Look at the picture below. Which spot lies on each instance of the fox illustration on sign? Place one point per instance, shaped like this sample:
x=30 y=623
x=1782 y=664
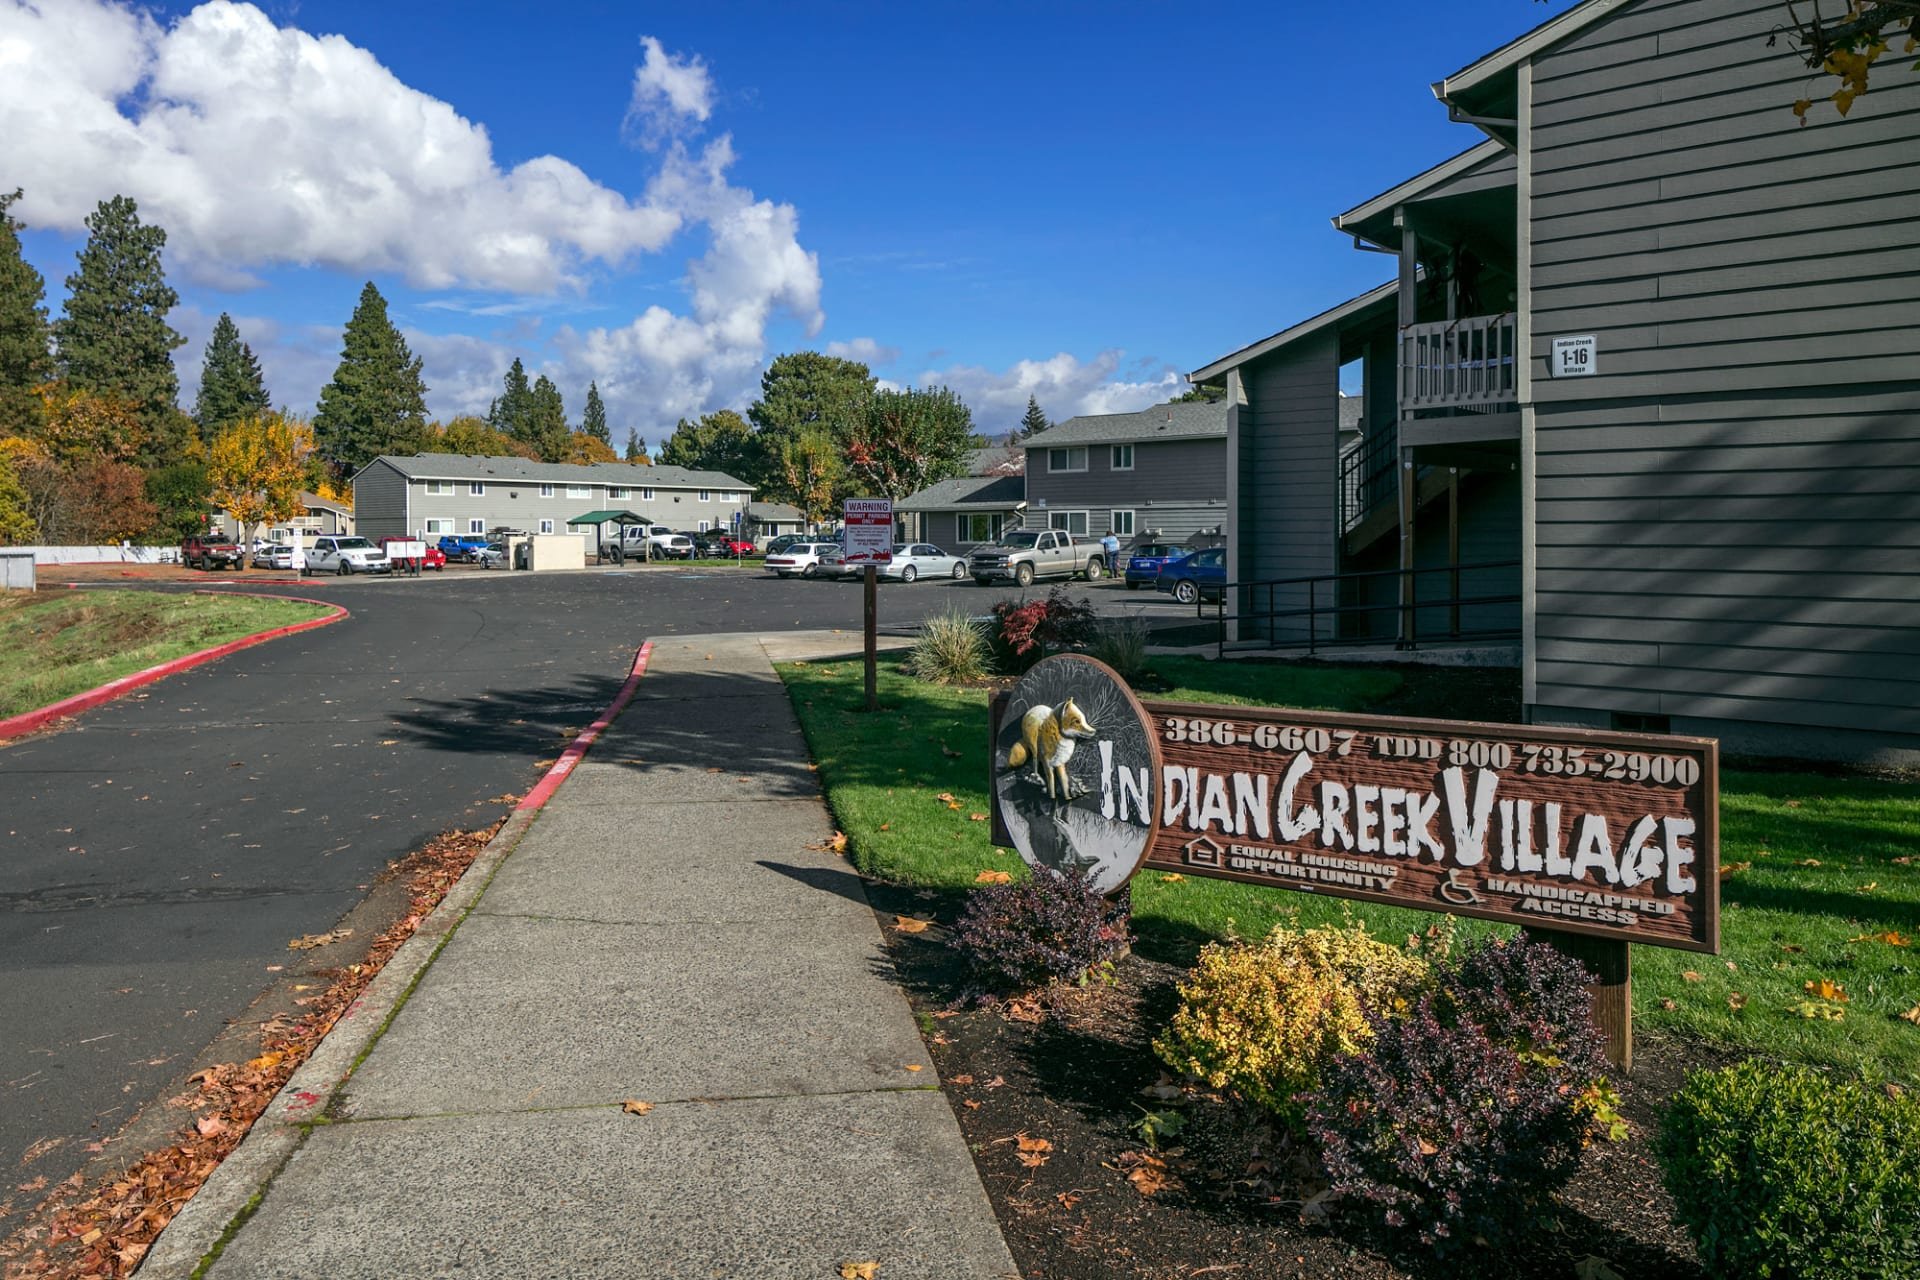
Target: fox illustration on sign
x=1046 y=741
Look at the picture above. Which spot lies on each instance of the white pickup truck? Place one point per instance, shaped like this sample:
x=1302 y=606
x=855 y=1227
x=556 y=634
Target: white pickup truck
x=345 y=555
x=1026 y=554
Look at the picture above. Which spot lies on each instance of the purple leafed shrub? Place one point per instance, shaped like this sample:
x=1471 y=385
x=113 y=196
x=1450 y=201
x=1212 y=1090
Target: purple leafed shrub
x=1049 y=928
x=1464 y=1115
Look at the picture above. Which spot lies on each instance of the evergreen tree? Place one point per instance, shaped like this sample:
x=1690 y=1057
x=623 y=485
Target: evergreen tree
x=1033 y=422
x=547 y=428
x=25 y=359
x=636 y=447
x=511 y=413
x=231 y=387
x=114 y=337
x=720 y=441
x=594 y=420
x=376 y=402
x=908 y=440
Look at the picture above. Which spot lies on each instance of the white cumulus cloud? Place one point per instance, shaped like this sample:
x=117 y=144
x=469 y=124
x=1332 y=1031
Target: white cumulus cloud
x=1064 y=385
x=256 y=144
x=865 y=350
x=668 y=92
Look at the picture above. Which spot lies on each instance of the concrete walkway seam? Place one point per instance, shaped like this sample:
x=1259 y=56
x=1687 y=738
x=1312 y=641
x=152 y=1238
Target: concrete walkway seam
x=31 y=721
x=230 y=1194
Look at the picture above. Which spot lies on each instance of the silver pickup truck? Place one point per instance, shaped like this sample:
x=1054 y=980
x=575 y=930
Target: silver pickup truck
x=1026 y=554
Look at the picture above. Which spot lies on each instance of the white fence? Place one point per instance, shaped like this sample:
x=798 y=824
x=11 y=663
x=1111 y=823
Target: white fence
x=103 y=555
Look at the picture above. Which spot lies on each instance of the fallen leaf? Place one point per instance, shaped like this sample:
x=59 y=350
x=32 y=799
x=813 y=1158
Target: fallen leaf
x=1869 y=886
x=210 y=1126
x=1912 y=1015
x=265 y=1061
x=1024 y=1143
x=1828 y=989
x=1668 y=1002
x=635 y=1107
x=1031 y=1159
x=1791 y=947
x=1313 y=1210
x=959 y=1079
x=886 y=826
x=307 y=942
x=859 y=1270
x=907 y=924
x=1731 y=867
x=1691 y=976
x=1427 y=1148
x=1807 y=862
x=1165 y=1091
x=949 y=752
x=1172 y=877
x=1025 y=1011
x=1067 y=1199
x=1736 y=1001
x=1149 y=1175
x=1892 y=937
x=1732 y=967
x=993 y=877
x=945 y=797
x=1793 y=804
x=914 y=1066
x=996 y=1082
x=976 y=817
x=1906 y=861
x=970 y=1104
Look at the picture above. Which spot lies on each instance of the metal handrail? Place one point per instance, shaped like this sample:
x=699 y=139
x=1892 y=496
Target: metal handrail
x=1454 y=601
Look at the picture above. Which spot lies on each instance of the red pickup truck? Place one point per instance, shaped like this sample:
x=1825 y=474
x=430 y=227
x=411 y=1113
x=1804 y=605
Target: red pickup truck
x=211 y=551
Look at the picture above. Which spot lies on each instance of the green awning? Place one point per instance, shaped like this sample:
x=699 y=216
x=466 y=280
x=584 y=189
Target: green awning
x=609 y=517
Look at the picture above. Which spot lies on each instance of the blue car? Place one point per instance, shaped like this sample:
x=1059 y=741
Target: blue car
x=1204 y=573
x=1148 y=559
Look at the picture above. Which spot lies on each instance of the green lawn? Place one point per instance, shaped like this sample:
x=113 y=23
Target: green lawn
x=54 y=644
x=1819 y=883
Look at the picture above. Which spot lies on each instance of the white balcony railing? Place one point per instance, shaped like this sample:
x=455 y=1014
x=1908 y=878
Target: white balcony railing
x=1459 y=364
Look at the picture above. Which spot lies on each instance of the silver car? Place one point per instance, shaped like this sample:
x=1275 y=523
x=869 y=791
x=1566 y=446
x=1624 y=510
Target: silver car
x=913 y=560
x=273 y=555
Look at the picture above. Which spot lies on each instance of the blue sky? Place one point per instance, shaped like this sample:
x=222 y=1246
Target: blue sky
x=1078 y=201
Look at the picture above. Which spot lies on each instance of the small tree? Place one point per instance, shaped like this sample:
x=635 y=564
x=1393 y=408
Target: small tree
x=255 y=468
x=1033 y=422
x=180 y=494
x=593 y=419
x=231 y=386
x=16 y=525
x=719 y=441
x=810 y=473
x=907 y=440
x=109 y=502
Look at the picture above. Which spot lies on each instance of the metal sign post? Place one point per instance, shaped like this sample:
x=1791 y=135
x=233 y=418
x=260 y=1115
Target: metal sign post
x=869 y=541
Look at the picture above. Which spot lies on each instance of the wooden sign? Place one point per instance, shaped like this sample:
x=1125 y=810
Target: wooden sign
x=1609 y=835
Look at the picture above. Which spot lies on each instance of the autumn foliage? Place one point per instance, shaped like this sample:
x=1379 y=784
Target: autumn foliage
x=256 y=467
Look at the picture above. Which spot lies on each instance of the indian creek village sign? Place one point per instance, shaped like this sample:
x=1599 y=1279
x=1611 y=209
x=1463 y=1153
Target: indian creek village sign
x=1610 y=836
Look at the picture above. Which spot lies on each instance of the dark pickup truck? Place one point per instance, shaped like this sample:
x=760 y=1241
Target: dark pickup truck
x=212 y=551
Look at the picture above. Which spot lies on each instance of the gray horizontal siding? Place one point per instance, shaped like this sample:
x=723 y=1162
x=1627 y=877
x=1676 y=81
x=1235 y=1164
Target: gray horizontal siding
x=380 y=502
x=1727 y=515
x=1183 y=470
x=1289 y=442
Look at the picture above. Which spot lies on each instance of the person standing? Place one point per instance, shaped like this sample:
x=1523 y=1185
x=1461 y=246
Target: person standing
x=1111 y=545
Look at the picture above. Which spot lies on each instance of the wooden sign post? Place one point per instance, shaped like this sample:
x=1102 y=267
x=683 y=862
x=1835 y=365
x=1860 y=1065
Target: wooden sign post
x=868 y=540
x=1590 y=840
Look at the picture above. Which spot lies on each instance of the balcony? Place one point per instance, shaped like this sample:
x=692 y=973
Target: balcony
x=1460 y=366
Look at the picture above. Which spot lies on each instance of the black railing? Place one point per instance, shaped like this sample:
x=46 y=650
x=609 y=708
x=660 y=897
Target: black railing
x=1367 y=476
x=1330 y=601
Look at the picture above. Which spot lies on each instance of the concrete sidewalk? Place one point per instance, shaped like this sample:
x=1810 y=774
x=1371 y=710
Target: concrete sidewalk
x=661 y=933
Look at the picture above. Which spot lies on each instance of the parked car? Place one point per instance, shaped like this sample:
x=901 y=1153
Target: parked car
x=1026 y=554
x=1204 y=573
x=435 y=558
x=460 y=547
x=638 y=541
x=728 y=545
x=914 y=560
x=1145 y=562
x=491 y=556
x=346 y=555
x=211 y=550
x=273 y=555
x=801 y=559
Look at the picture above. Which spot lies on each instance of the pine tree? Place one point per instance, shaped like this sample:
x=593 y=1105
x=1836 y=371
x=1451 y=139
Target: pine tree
x=1033 y=422
x=512 y=411
x=231 y=387
x=594 y=420
x=376 y=402
x=25 y=358
x=636 y=447
x=547 y=428
x=114 y=337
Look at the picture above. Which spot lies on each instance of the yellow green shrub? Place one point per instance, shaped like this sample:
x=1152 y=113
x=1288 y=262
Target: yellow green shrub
x=1262 y=1018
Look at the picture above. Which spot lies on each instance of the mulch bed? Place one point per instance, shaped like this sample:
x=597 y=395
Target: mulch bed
x=1072 y=1072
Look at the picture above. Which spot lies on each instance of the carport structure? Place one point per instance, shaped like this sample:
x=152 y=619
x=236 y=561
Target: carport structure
x=600 y=519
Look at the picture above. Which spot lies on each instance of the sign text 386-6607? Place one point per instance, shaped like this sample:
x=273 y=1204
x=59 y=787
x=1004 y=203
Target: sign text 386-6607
x=1608 y=834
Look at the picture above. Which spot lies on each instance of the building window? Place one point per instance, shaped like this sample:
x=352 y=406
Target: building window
x=1121 y=522
x=476 y=489
x=646 y=495
x=706 y=495
x=1122 y=457
x=476 y=525
x=546 y=526
x=702 y=526
x=439 y=487
x=1073 y=522
x=981 y=526
x=439 y=526
x=546 y=491
x=615 y=493
x=579 y=491
x=732 y=495
x=1066 y=459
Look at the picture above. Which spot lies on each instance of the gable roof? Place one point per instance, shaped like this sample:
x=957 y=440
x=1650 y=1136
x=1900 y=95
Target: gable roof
x=1485 y=87
x=1488 y=160
x=314 y=502
x=969 y=493
x=773 y=512
x=997 y=460
x=463 y=466
x=1193 y=420
x=1351 y=308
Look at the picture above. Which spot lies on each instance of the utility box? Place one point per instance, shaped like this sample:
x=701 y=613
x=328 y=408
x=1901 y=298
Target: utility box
x=16 y=570
x=556 y=551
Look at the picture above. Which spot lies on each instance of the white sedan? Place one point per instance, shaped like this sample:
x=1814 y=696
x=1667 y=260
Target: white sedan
x=913 y=560
x=801 y=558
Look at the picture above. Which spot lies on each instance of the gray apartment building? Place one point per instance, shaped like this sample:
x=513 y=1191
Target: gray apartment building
x=432 y=494
x=966 y=511
x=1160 y=473
x=1659 y=344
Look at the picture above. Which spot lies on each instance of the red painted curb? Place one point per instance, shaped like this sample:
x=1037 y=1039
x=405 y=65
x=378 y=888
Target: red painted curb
x=550 y=782
x=30 y=721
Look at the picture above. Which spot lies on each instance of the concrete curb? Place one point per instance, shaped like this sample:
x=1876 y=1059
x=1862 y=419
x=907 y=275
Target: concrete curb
x=30 y=721
x=229 y=1194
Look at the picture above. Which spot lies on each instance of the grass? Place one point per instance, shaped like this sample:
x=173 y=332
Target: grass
x=54 y=644
x=1814 y=879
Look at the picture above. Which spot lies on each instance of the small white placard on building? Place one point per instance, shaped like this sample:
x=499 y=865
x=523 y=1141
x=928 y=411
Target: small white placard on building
x=869 y=526
x=1575 y=357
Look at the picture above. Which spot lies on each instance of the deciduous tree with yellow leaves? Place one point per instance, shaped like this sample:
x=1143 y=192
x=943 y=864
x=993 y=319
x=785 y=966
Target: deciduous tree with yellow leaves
x=1845 y=39
x=256 y=467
